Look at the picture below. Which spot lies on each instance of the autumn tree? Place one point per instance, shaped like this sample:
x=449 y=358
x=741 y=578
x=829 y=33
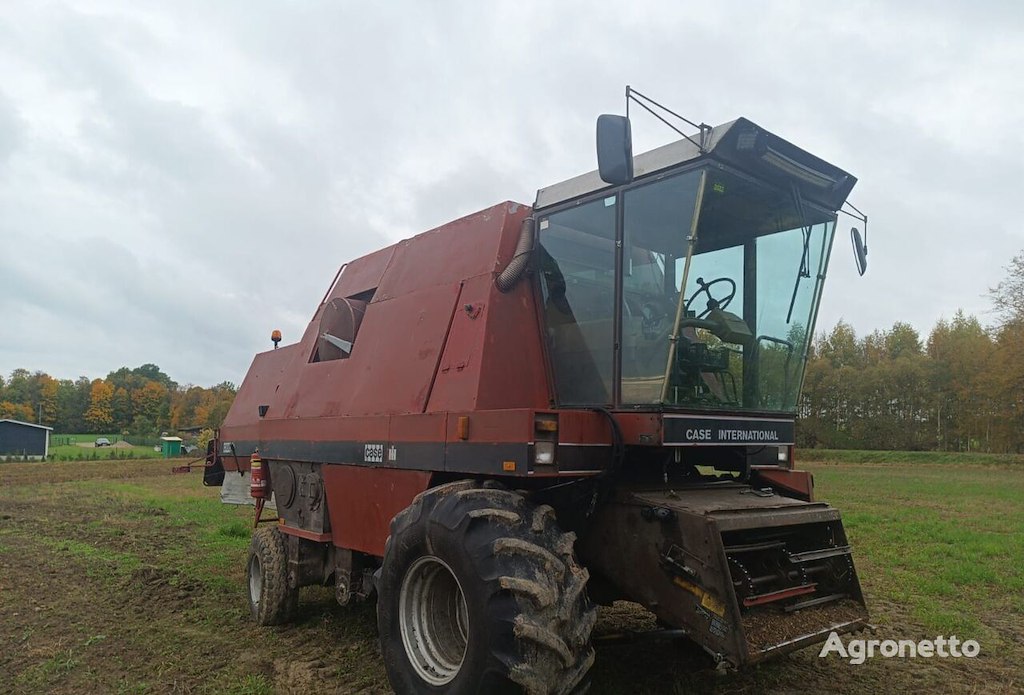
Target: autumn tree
x=151 y=402
x=15 y=411
x=143 y=401
x=72 y=402
x=48 y=388
x=1008 y=296
x=961 y=352
x=121 y=409
x=18 y=389
x=99 y=416
x=1006 y=384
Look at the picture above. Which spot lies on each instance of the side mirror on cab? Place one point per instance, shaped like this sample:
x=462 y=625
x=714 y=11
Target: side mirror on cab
x=614 y=149
x=860 y=251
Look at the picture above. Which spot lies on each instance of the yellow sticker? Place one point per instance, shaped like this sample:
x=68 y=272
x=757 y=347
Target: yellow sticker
x=712 y=604
x=707 y=599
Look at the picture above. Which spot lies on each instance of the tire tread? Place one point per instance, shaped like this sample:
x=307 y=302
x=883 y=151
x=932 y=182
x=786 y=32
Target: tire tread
x=519 y=552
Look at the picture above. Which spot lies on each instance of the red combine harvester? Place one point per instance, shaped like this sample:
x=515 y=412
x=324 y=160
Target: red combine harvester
x=498 y=423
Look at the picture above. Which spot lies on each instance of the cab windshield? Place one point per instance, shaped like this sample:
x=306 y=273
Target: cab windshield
x=720 y=323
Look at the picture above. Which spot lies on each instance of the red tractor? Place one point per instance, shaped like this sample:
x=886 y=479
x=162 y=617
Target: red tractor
x=500 y=423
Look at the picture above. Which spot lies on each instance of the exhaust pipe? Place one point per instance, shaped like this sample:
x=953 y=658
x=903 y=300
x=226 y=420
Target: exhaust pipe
x=508 y=278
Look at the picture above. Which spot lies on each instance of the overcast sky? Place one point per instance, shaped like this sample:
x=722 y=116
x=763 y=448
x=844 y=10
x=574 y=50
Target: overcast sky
x=179 y=178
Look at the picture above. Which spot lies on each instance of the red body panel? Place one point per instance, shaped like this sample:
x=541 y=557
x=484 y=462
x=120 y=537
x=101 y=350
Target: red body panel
x=438 y=343
x=362 y=501
x=799 y=484
x=422 y=286
x=437 y=337
x=394 y=374
x=362 y=274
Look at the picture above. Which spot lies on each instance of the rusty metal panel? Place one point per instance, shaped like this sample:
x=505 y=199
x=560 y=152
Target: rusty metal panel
x=643 y=429
x=396 y=354
x=329 y=429
x=667 y=549
x=494 y=426
x=429 y=427
x=363 y=273
x=729 y=498
x=315 y=389
x=513 y=368
x=458 y=376
x=399 y=346
x=459 y=250
x=259 y=386
x=732 y=521
x=299 y=495
x=362 y=501
x=638 y=556
x=799 y=484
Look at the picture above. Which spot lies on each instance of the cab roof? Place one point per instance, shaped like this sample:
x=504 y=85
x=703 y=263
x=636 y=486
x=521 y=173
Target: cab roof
x=740 y=143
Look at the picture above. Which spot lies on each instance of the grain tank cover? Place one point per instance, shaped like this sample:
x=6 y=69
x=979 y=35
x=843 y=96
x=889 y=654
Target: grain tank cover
x=739 y=143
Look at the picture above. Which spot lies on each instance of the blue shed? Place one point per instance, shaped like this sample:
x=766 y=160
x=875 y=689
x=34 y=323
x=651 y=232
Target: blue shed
x=18 y=439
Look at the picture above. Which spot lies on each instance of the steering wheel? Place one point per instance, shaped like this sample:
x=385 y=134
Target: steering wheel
x=705 y=289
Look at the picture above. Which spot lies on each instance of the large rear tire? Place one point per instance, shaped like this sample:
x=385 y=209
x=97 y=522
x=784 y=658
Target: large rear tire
x=271 y=600
x=480 y=592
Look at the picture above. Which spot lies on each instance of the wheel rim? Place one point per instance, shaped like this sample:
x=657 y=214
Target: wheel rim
x=434 y=620
x=255 y=580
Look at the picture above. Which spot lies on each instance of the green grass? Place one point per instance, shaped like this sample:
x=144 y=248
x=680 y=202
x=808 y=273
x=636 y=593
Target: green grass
x=73 y=452
x=65 y=447
x=253 y=684
x=914 y=457
x=111 y=559
x=939 y=550
x=947 y=542
x=86 y=438
x=222 y=532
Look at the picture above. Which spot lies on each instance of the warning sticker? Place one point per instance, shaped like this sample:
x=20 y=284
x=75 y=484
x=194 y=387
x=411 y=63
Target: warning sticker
x=716 y=626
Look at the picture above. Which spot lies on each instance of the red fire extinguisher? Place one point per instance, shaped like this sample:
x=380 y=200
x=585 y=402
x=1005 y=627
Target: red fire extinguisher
x=257 y=480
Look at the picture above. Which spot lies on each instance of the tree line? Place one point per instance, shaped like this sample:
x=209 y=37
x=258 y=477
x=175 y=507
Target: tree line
x=143 y=401
x=959 y=389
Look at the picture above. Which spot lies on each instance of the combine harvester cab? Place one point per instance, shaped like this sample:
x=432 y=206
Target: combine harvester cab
x=497 y=423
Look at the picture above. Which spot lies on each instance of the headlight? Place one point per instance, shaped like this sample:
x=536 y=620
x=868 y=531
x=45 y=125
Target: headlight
x=544 y=453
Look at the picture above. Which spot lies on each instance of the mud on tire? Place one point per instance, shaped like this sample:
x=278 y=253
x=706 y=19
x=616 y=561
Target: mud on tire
x=480 y=592
x=271 y=600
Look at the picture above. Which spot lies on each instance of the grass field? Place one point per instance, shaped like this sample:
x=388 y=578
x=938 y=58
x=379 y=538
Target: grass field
x=122 y=577
x=72 y=452
x=79 y=447
x=910 y=457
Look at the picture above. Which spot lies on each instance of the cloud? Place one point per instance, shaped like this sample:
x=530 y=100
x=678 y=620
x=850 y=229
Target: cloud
x=179 y=179
x=11 y=128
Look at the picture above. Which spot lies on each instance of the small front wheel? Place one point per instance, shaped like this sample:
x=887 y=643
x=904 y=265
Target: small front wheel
x=271 y=600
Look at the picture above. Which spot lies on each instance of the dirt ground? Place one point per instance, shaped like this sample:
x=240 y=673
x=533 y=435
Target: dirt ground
x=121 y=577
